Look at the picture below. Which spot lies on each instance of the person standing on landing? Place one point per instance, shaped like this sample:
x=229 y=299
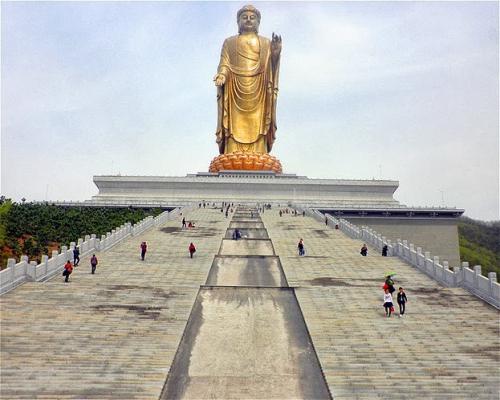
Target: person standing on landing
x=402 y=301
x=144 y=248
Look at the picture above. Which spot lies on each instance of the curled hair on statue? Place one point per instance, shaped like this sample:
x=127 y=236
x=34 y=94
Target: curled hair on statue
x=248 y=8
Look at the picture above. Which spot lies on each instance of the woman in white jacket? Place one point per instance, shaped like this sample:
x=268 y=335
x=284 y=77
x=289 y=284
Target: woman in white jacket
x=388 y=303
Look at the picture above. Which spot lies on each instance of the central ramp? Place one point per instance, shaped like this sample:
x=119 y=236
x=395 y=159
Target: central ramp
x=246 y=337
x=261 y=271
x=246 y=343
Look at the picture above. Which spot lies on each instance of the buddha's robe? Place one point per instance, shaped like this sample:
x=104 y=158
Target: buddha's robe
x=247 y=100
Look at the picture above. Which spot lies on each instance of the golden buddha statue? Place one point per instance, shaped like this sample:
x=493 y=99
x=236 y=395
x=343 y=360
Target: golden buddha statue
x=247 y=89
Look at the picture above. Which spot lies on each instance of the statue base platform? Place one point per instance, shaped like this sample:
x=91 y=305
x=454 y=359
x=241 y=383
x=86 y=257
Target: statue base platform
x=363 y=202
x=244 y=187
x=239 y=161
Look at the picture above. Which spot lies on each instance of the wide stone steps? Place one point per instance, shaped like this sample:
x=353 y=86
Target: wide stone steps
x=446 y=346
x=113 y=334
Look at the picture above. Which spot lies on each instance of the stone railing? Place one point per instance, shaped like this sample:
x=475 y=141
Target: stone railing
x=487 y=288
x=17 y=273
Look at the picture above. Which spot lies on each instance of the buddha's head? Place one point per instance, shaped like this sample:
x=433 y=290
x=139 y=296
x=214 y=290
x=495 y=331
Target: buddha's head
x=248 y=19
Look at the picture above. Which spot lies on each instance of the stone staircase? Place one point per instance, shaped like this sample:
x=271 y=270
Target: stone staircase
x=115 y=334
x=446 y=346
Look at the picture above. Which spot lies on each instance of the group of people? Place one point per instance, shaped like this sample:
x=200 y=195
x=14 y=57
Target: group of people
x=293 y=212
x=144 y=249
x=388 y=301
x=364 y=250
x=68 y=267
x=185 y=224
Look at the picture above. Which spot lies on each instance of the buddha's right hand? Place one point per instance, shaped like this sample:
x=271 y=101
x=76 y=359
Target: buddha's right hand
x=219 y=79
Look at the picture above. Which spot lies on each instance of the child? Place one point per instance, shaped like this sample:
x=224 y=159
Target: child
x=388 y=303
x=401 y=301
x=364 y=250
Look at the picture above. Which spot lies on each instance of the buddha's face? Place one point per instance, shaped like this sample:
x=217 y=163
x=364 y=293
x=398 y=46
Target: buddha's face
x=248 y=22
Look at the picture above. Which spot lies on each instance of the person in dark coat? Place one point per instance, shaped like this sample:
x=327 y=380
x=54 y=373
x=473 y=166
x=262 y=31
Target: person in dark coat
x=402 y=301
x=144 y=248
x=183 y=222
x=364 y=250
x=384 y=251
x=76 y=256
x=93 y=263
x=390 y=284
x=300 y=246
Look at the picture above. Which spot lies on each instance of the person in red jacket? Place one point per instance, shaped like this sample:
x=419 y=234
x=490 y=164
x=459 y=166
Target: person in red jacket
x=192 y=249
x=68 y=269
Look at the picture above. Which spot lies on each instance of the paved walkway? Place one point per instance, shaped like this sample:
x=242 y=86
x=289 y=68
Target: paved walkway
x=447 y=346
x=113 y=334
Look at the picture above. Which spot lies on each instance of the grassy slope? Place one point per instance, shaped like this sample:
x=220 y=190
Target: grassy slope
x=36 y=229
x=480 y=244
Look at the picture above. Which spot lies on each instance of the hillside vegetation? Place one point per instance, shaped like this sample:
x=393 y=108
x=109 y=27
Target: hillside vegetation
x=480 y=244
x=37 y=229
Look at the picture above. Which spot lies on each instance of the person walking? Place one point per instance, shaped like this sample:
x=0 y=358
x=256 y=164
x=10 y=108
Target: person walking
x=68 y=269
x=183 y=222
x=93 y=263
x=389 y=307
x=384 y=250
x=402 y=301
x=389 y=284
x=364 y=250
x=76 y=256
x=236 y=234
x=301 y=248
x=192 y=249
x=326 y=221
x=144 y=248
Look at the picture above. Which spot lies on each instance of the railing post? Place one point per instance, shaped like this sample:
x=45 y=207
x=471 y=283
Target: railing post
x=413 y=254
x=477 y=272
x=31 y=270
x=492 y=276
x=11 y=265
x=24 y=265
x=45 y=262
x=64 y=250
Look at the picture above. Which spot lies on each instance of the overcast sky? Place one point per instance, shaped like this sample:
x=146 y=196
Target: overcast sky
x=394 y=90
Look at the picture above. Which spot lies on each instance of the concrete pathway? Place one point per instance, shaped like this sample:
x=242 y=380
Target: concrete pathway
x=113 y=334
x=447 y=346
x=246 y=342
